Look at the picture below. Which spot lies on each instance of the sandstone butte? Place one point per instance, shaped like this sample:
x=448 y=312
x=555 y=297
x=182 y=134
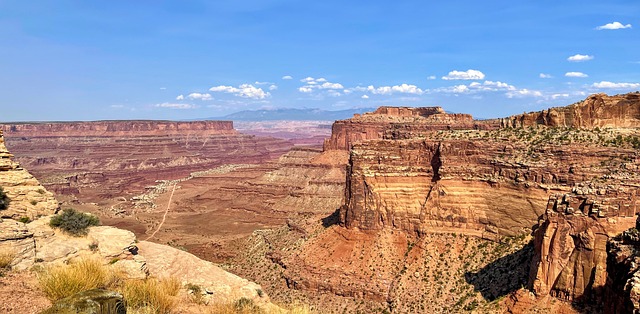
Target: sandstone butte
x=423 y=171
x=37 y=243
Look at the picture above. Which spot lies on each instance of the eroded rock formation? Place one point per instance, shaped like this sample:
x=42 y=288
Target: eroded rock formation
x=24 y=194
x=598 y=110
x=570 y=260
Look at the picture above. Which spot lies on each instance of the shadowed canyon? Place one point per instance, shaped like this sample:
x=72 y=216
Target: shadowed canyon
x=399 y=210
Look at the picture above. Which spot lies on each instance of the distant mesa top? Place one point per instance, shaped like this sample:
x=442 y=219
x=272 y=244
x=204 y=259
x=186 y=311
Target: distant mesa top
x=117 y=128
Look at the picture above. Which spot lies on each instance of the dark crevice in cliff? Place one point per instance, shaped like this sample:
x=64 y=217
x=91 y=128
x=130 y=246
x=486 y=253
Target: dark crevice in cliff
x=436 y=163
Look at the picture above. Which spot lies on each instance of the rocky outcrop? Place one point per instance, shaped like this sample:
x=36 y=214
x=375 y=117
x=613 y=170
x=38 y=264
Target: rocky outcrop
x=599 y=110
x=95 y=301
x=570 y=260
x=394 y=122
x=117 y=128
x=24 y=194
x=622 y=291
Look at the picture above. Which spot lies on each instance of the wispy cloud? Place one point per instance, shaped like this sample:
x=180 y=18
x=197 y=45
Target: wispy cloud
x=365 y=97
x=175 y=106
x=273 y=87
x=580 y=58
x=244 y=91
x=287 y=77
x=612 y=85
x=464 y=75
x=613 y=26
x=199 y=96
x=388 y=90
x=575 y=74
x=180 y=97
x=523 y=93
x=316 y=84
x=431 y=77
x=545 y=76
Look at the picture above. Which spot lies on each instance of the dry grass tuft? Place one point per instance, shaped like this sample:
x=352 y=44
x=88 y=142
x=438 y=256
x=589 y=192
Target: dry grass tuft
x=151 y=295
x=247 y=306
x=59 y=282
x=6 y=258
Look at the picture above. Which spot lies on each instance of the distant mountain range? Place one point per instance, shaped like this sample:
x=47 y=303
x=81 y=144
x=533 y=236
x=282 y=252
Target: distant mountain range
x=293 y=114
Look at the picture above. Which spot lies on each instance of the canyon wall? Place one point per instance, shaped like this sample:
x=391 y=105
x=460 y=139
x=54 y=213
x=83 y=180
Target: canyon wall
x=598 y=110
x=570 y=260
x=117 y=128
x=25 y=197
x=100 y=160
x=375 y=125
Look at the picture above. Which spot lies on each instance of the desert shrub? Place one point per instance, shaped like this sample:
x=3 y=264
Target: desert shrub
x=59 y=282
x=6 y=258
x=74 y=222
x=24 y=220
x=151 y=295
x=4 y=199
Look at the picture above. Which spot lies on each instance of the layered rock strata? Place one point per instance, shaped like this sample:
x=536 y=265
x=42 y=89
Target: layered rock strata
x=394 y=121
x=25 y=197
x=117 y=128
x=599 y=110
x=100 y=160
x=570 y=260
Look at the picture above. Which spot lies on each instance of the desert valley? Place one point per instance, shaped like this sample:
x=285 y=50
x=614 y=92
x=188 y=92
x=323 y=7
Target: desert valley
x=398 y=210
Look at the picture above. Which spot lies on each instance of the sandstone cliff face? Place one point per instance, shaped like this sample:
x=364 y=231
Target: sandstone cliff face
x=385 y=120
x=570 y=260
x=599 y=110
x=117 y=128
x=26 y=197
x=622 y=290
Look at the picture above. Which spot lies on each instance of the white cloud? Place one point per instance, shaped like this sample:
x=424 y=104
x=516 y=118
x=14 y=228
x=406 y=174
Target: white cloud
x=287 y=77
x=198 y=96
x=273 y=87
x=575 y=74
x=545 y=76
x=163 y=88
x=244 y=91
x=180 y=97
x=431 y=77
x=117 y=106
x=263 y=83
x=464 y=75
x=175 y=106
x=614 y=25
x=328 y=85
x=365 y=97
x=317 y=84
x=388 y=90
x=556 y=96
x=611 y=85
x=460 y=89
x=580 y=58
x=523 y=93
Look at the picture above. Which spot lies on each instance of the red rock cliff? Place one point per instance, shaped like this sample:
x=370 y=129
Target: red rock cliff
x=599 y=110
x=117 y=128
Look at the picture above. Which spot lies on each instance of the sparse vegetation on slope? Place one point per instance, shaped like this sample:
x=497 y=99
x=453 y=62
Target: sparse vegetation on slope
x=59 y=282
x=151 y=295
x=6 y=258
x=74 y=222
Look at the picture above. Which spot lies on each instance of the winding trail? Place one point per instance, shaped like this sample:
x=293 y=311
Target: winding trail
x=164 y=217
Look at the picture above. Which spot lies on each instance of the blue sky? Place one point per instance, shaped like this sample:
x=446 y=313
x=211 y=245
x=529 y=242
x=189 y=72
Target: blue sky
x=90 y=60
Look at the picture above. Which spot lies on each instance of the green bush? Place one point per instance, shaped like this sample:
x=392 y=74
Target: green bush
x=4 y=200
x=74 y=222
